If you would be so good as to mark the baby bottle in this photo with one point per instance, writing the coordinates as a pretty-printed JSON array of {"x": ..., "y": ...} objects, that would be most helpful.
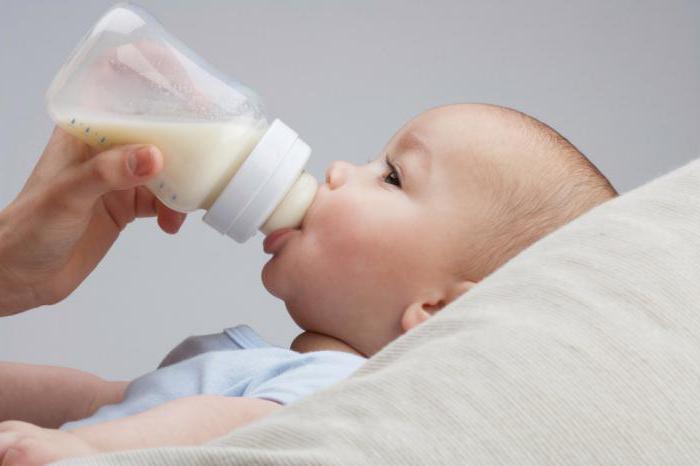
[{"x": 128, "y": 81}]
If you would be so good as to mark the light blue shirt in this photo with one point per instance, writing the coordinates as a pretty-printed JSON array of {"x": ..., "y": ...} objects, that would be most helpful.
[{"x": 235, "y": 362}]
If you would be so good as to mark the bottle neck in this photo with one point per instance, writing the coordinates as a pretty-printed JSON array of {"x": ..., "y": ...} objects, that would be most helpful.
[{"x": 262, "y": 183}]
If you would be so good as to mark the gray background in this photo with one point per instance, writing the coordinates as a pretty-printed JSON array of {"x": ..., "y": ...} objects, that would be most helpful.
[{"x": 620, "y": 79}]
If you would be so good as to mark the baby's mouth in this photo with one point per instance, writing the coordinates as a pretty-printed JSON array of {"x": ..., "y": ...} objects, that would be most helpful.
[{"x": 276, "y": 239}]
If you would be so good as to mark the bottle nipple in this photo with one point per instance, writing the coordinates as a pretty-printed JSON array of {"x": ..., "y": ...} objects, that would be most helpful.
[{"x": 291, "y": 210}]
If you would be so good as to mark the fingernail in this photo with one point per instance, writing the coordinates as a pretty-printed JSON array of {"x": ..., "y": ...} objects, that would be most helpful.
[{"x": 141, "y": 161}]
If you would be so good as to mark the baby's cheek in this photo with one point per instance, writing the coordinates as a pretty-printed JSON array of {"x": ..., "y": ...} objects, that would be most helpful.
[
  {"x": 342, "y": 230},
  {"x": 359, "y": 259}
]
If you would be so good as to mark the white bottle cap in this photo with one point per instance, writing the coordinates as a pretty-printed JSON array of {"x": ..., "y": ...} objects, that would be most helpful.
[{"x": 260, "y": 183}]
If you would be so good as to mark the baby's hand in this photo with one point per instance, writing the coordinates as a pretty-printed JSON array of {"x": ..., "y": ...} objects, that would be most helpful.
[{"x": 24, "y": 444}]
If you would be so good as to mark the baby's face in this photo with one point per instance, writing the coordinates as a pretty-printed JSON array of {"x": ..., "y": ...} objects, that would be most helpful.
[{"x": 380, "y": 237}]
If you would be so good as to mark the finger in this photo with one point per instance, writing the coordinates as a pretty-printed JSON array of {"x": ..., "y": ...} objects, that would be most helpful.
[
  {"x": 169, "y": 220},
  {"x": 116, "y": 169},
  {"x": 8, "y": 444},
  {"x": 144, "y": 203},
  {"x": 23, "y": 453},
  {"x": 7, "y": 439}
]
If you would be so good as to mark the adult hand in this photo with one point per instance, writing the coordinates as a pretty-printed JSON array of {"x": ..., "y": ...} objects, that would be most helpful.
[{"x": 70, "y": 211}]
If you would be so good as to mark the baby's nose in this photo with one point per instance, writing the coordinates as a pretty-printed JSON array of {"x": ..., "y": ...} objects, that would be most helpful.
[{"x": 336, "y": 174}]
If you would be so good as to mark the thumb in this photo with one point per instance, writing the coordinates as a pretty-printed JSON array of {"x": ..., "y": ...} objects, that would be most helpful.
[{"x": 116, "y": 169}]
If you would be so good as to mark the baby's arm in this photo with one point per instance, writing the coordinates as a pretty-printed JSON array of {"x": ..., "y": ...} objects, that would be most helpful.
[
  {"x": 50, "y": 396},
  {"x": 191, "y": 420},
  {"x": 186, "y": 421}
]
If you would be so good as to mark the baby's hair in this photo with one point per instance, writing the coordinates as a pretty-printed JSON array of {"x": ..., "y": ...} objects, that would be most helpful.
[{"x": 566, "y": 185}]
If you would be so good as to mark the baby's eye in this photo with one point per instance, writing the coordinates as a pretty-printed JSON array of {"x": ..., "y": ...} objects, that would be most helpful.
[{"x": 393, "y": 176}]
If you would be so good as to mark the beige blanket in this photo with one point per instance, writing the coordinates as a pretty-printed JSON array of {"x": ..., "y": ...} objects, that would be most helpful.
[{"x": 584, "y": 349}]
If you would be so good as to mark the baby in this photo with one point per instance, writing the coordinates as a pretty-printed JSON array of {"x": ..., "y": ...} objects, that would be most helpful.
[{"x": 457, "y": 192}]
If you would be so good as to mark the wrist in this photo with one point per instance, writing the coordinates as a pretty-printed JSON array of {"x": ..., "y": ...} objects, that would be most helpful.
[
  {"x": 92, "y": 436},
  {"x": 115, "y": 436},
  {"x": 15, "y": 294},
  {"x": 9, "y": 300}
]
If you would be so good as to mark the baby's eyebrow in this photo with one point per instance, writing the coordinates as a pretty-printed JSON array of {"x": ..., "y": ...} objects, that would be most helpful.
[{"x": 410, "y": 143}]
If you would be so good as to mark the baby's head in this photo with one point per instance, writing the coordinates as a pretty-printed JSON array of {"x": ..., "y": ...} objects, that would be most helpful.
[{"x": 456, "y": 193}]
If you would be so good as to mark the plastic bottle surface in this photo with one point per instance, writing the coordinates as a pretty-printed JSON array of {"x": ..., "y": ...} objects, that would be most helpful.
[{"x": 129, "y": 81}]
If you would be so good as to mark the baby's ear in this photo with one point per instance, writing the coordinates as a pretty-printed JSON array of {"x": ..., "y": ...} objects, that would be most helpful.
[
  {"x": 421, "y": 311},
  {"x": 458, "y": 289},
  {"x": 413, "y": 315}
]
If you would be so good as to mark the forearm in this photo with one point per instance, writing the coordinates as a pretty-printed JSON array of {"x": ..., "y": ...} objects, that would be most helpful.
[
  {"x": 14, "y": 297},
  {"x": 49, "y": 396},
  {"x": 186, "y": 421}
]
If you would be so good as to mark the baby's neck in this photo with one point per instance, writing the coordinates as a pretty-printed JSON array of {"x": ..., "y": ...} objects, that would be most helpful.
[{"x": 311, "y": 341}]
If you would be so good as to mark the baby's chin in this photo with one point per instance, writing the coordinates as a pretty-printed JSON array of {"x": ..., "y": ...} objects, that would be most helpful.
[
  {"x": 279, "y": 278},
  {"x": 281, "y": 274},
  {"x": 296, "y": 315},
  {"x": 280, "y": 285},
  {"x": 270, "y": 277}
]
